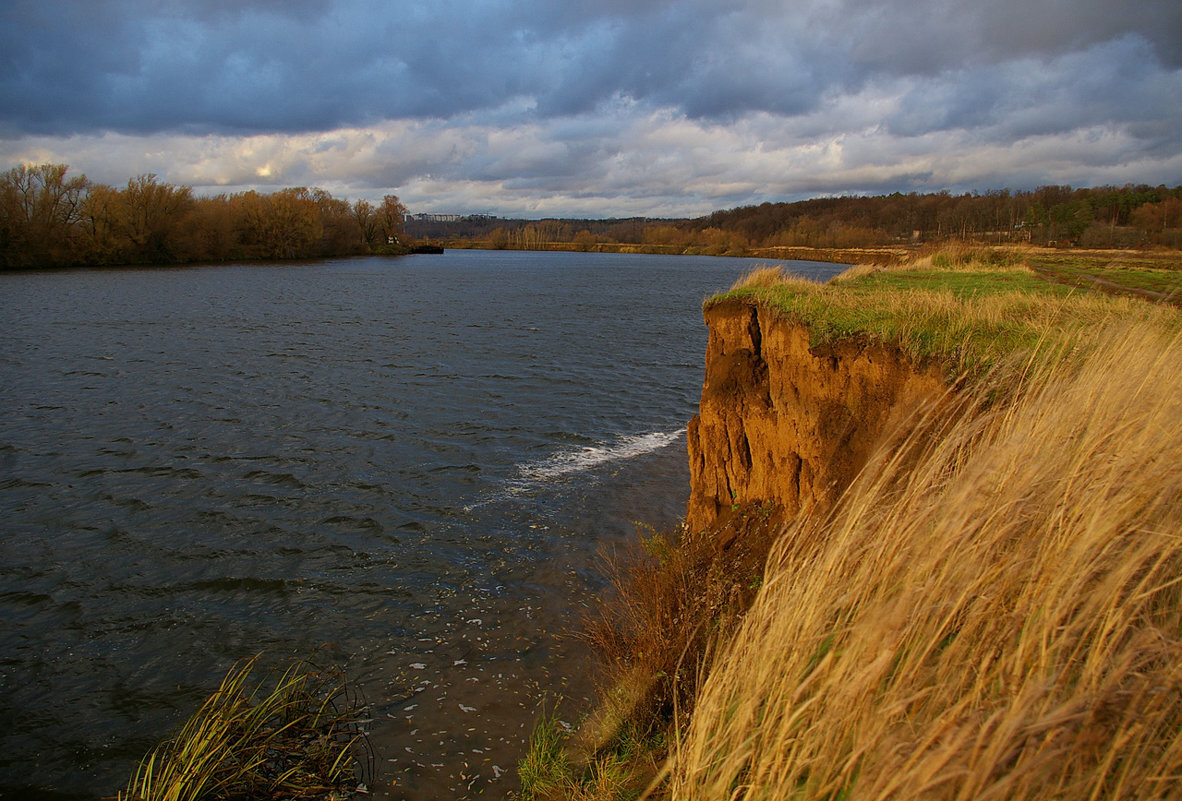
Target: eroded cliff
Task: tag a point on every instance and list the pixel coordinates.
(782, 423)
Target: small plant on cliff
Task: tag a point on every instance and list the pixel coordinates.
(673, 595)
(297, 738)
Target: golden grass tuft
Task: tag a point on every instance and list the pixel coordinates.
(994, 614)
(766, 276)
(853, 273)
(298, 739)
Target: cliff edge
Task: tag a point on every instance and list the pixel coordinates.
(784, 423)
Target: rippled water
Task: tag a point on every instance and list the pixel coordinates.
(409, 464)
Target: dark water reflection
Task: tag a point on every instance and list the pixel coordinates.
(408, 463)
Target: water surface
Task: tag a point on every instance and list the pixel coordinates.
(405, 465)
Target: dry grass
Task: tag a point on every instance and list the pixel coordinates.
(671, 598)
(1000, 620)
(765, 277)
(854, 273)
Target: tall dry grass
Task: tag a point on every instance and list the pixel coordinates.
(1001, 619)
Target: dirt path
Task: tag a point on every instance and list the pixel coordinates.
(1111, 287)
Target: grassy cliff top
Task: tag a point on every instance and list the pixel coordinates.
(965, 309)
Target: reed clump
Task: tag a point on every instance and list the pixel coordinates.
(993, 611)
(671, 597)
(295, 735)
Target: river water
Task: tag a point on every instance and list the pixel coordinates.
(407, 466)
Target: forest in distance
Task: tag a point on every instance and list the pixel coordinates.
(1104, 217)
(49, 218)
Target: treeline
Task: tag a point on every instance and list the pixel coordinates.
(1103, 217)
(50, 219)
(498, 232)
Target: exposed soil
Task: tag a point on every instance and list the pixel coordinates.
(783, 423)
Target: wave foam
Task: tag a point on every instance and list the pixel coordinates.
(585, 458)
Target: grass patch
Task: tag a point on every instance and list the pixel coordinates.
(544, 771)
(1157, 273)
(294, 735)
(620, 772)
(967, 308)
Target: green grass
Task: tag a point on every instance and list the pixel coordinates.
(619, 772)
(1159, 275)
(544, 770)
(965, 311)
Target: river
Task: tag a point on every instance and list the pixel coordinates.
(408, 466)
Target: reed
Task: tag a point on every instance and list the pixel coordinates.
(295, 736)
(992, 612)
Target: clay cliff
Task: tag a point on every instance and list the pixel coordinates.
(783, 423)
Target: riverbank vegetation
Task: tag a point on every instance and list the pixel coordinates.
(294, 734)
(967, 308)
(1001, 618)
(992, 610)
(51, 219)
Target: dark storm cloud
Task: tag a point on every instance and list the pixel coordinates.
(927, 36)
(270, 65)
(607, 107)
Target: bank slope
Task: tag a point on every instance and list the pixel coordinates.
(991, 608)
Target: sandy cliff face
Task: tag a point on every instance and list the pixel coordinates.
(782, 423)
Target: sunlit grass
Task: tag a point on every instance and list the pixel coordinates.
(994, 612)
(967, 309)
(295, 735)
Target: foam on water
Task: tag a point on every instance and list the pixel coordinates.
(578, 460)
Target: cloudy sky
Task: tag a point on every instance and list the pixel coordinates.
(596, 108)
